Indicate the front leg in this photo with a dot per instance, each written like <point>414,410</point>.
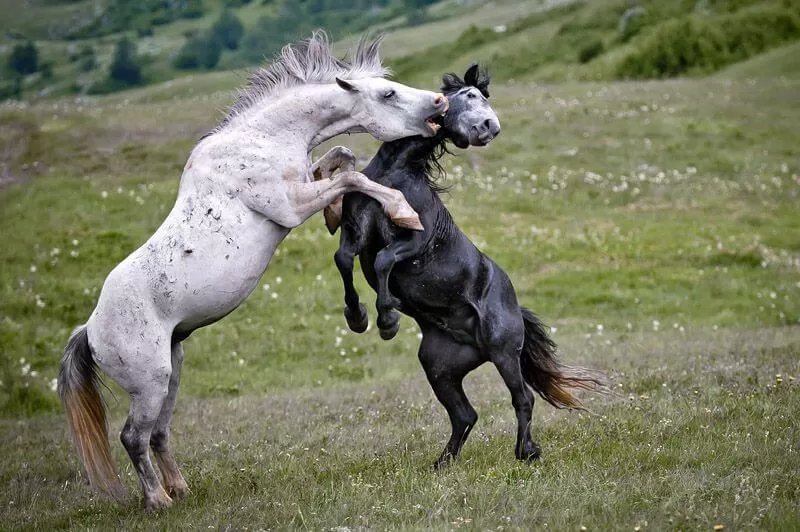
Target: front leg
<point>402,248</point>
<point>350,244</point>
<point>337,158</point>
<point>307,198</point>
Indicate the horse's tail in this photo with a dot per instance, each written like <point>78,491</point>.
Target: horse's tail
<point>79,388</point>
<point>543,371</point>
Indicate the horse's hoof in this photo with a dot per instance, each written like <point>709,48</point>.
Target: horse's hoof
<point>388,324</point>
<point>157,501</point>
<point>530,455</point>
<point>357,322</point>
<point>443,461</point>
<point>390,332</point>
<point>179,490</point>
<point>409,222</point>
<point>333,216</point>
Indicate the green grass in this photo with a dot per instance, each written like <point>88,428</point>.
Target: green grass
<point>780,62</point>
<point>654,225</point>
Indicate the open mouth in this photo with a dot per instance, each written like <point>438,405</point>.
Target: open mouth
<point>434,122</point>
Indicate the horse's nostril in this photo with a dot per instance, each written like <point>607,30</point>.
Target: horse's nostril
<point>439,100</point>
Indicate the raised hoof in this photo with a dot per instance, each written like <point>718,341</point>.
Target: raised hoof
<point>158,501</point>
<point>390,332</point>
<point>388,324</point>
<point>409,222</point>
<point>358,323</point>
<point>333,216</point>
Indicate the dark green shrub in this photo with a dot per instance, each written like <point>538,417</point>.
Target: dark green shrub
<point>199,51</point>
<point>752,31</point>
<point>704,44</point>
<point>24,58</point>
<point>591,50</point>
<point>124,68</point>
<point>228,30</point>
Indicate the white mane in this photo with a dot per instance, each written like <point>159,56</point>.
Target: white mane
<point>310,61</point>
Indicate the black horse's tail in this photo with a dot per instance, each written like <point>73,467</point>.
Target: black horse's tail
<point>546,374</point>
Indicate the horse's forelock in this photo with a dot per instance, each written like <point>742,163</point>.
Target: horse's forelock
<point>452,82</point>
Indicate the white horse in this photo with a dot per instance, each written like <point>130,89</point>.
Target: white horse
<point>244,187</point>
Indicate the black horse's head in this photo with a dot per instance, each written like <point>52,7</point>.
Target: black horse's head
<point>470,121</point>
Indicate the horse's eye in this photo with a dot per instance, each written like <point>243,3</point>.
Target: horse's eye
<point>471,95</point>
<point>389,94</point>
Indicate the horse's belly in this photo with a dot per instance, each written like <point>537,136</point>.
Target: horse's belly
<point>200,276</point>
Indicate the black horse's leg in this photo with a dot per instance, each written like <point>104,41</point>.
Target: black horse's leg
<point>446,363</point>
<point>503,332</point>
<point>400,249</point>
<point>354,312</point>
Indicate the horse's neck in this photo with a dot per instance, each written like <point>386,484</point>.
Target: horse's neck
<point>311,114</point>
<point>410,154</point>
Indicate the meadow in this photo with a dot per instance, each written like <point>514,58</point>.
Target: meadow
<point>653,225</point>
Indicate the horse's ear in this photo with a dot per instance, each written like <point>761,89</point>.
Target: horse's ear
<point>346,85</point>
<point>471,76</point>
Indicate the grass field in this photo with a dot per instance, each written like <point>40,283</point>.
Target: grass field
<point>653,225</point>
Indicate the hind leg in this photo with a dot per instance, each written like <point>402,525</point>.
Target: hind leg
<point>174,482</point>
<point>504,339</point>
<point>146,379</point>
<point>446,363</point>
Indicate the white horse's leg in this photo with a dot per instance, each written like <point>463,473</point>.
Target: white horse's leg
<point>309,198</point>
<point>174,482</point>
<point>338,158</point>
<point>147,371</point>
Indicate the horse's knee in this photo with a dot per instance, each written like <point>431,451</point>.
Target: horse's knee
<point>343,259</point>
<point>384,261</point>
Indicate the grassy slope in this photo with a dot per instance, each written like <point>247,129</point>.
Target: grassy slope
<point>610,204</point>
<point>781,62</point>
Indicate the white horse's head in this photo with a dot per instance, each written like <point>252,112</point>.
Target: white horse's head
<point>388,110</point>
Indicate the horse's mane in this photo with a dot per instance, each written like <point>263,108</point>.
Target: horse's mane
<point>307,62</point>
<point>451,83</point>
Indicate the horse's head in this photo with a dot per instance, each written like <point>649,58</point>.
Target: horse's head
<point>389,111</point>
<point>470,121</point>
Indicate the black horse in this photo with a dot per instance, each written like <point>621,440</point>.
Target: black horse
<point>463,302</point>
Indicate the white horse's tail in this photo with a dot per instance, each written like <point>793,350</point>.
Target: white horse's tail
<point>78,386</point>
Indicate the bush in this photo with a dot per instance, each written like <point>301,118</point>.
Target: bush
<point>199,51</point>
<point>228,30</point>
<point>591,50</point>
<point>24,58</point>
<point>88,63</point>
<point>124,68</point>
<point>701,45</point>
